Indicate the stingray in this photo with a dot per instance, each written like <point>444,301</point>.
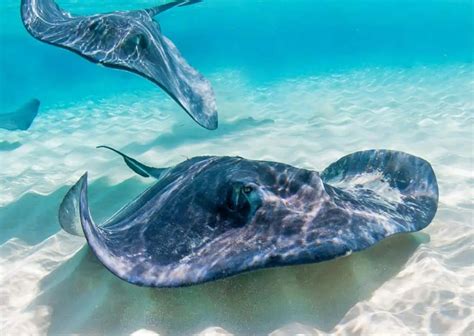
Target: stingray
<point>22,118</point>
<point>212,217</point>
<point>127,40</point>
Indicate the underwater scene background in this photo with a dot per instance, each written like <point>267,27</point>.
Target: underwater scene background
<point>302,82</point>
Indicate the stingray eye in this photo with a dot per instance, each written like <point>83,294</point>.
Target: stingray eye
<point>247,189</point>
<point>242,196</point>
<point>237,198</point>
<point>242,201</point>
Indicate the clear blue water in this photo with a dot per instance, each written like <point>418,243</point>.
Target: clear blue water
<point>302,82</point>
<point>265,39</point>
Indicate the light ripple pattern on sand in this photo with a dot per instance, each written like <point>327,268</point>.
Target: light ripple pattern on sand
<point>426,111</point>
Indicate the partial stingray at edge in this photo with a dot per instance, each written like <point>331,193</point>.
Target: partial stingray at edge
<point>22,118</point>
<point>213,217</point>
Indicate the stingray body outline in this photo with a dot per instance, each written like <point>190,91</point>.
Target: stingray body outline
<point>213,217</point>
<point>22,118</point>
<point>126,40</point>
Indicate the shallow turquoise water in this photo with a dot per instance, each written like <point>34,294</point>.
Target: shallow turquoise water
<point>298,82</point>
<point>267,40</point>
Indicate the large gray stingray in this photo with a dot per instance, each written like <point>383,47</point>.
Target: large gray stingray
<point>128,40</point>
<point>212,217</point>
<point>22,118</point>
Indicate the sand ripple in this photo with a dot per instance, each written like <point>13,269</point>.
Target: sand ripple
<point>307,122</point>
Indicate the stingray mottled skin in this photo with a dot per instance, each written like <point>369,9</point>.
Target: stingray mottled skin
<point>128,40</point>
<point>213,217</point>
<point>22,118</point>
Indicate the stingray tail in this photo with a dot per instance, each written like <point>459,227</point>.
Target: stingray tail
<point>70,209</point>
<point>177,3</point>
<point>138,167</point>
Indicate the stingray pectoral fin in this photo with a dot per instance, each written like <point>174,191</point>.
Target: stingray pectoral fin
<point>189,88</point>
<point>136,166</point>
<point>111,247</point>
<point>75,218</point>
<point>69,216</point>
<point>22,118</point>
<point>401,186</point>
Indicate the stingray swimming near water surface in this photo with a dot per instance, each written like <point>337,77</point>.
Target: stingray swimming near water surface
<point>22,118</point>
<point>211,217</point>
<point>128,40</point>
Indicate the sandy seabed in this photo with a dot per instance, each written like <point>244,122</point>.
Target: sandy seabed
<point>412,283</point>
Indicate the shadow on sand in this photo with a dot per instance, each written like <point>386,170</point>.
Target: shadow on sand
<point>7,146</point>
<point>187,133</point>
<point>40,220</point>
<point>85,298</point>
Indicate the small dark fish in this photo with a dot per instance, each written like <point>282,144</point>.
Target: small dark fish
<point>128,40</point>
<point>212,217</point>
<point>22,118</point>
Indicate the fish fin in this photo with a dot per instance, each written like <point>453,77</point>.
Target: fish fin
<point>75,218</point>
<point>102,241</point>
<point>178,3</point>
<point>22,118</point>
<point>403,180</point>
<point>136,166</point>
<point>69,217</point>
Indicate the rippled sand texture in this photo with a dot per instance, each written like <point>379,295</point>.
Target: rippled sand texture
<point>421,283</point>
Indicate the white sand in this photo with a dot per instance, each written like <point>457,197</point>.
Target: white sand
<point>421,283</point>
